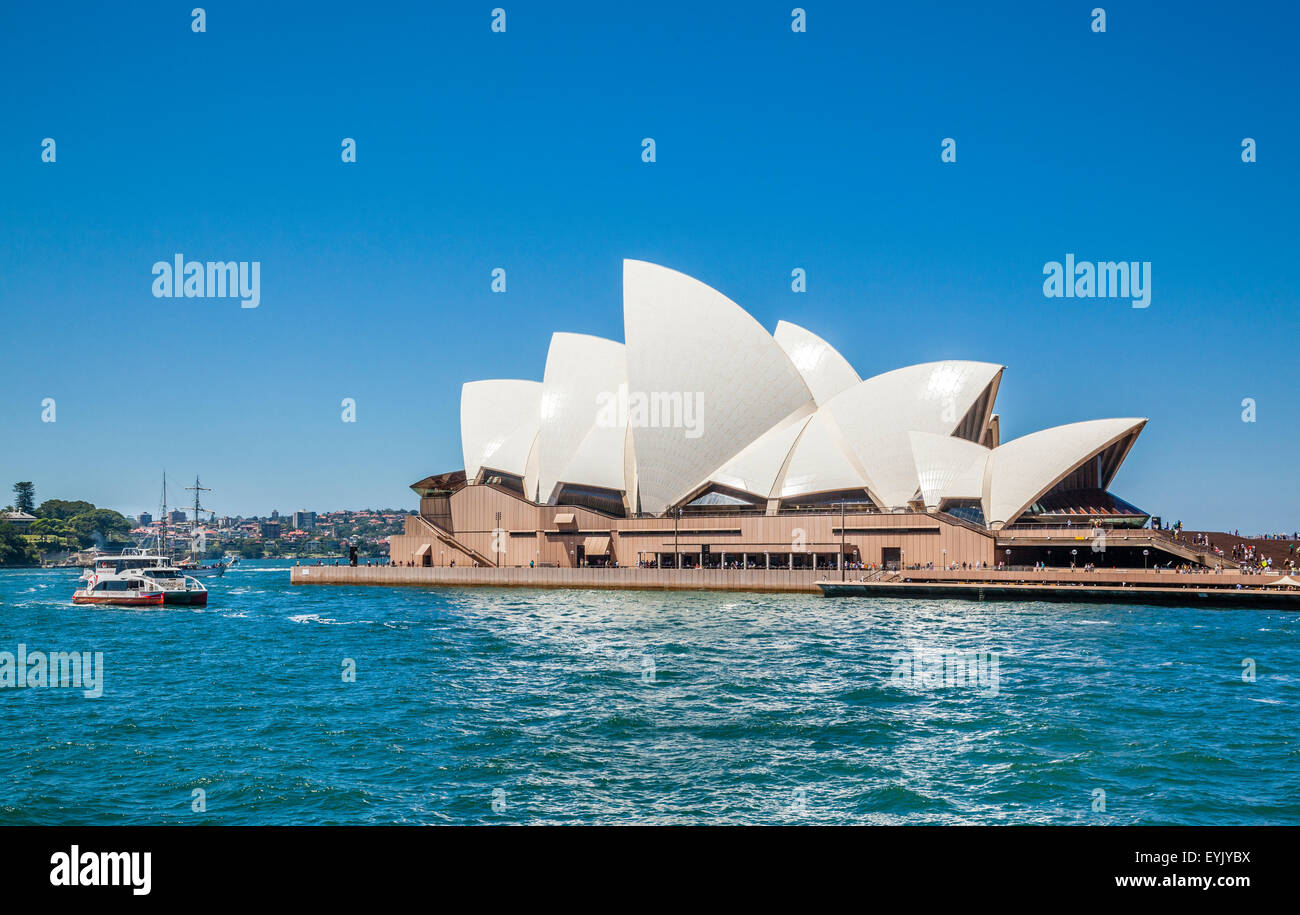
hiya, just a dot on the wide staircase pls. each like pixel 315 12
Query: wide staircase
pixel 445 537
pixel 1196 553
pixel 1156 540
pixel 1281 551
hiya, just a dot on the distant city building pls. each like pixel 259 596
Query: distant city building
pixel 275 515
pixel 304 521
pixel 176 516
pixel 146 519
pixel 270 530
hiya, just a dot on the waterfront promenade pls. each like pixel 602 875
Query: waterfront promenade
pixel 803 581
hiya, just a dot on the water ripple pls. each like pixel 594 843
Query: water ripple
pixel 290 705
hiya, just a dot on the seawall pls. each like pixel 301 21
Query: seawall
pixel 801 581
pixel 1131 586
pixel 1226 598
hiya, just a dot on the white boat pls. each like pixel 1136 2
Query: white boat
pixel 176 585
pixel 180 585
pixel 216 570
pixel 130 559
pixel 127 589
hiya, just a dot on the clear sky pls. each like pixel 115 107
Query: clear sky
pixel 522 150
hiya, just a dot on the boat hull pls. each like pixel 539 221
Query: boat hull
pixel 209 572
pixel 142 600
pixel 191 598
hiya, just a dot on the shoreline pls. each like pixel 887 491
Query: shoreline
pixel 800 581
pixel 1082 593
pixel 1136 586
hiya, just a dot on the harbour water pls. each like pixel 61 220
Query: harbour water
pixel 519 706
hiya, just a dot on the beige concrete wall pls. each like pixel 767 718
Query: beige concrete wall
pixel 533 536
pixel 631 579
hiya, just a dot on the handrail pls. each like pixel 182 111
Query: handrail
pixel 1160 539
pixel 446 537
pixel 962 522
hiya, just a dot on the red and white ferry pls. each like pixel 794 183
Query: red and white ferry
pixel 179 585
pixel 122 590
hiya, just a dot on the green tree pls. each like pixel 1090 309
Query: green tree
pixel 14 548
pixel 99 525
pixel 58 508
pixel 25 496
pixel 50 527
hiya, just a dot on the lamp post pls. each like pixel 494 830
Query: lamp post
pixel 498 546
pixel 1073 554
pixel 945 559
pixel 842 511
pixel 1144 560
pixel 1008 557
pixel 677 556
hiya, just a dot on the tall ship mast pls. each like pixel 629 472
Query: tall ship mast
pixel 163 543
pixel 197 488
pixel 194 566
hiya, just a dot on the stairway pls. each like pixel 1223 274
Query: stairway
pixel 446 538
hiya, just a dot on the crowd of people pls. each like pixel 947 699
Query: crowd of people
pixel 820 563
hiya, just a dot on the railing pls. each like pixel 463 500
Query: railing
pixel 183 583
pixel 1084 532
pixel 962 522
pixel 1162 540
pixel 1184 577
pixel 447 538
pixel 1075 533
pixel 874 575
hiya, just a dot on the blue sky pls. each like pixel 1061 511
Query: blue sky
pixel 522 150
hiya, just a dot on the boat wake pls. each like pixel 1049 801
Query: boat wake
pixel 314 618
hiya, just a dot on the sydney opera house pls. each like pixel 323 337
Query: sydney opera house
pixel 705 440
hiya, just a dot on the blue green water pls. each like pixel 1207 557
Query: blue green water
pixel 508 706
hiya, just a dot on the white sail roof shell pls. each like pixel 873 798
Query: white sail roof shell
pixel 877 414
pixel 778 416
pixel 948 467
pixel 1021 470
pixel 498 424
pixel 685 338
pixel 758 467
pixel 824 370
pixel 582 431
pixel 821 461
